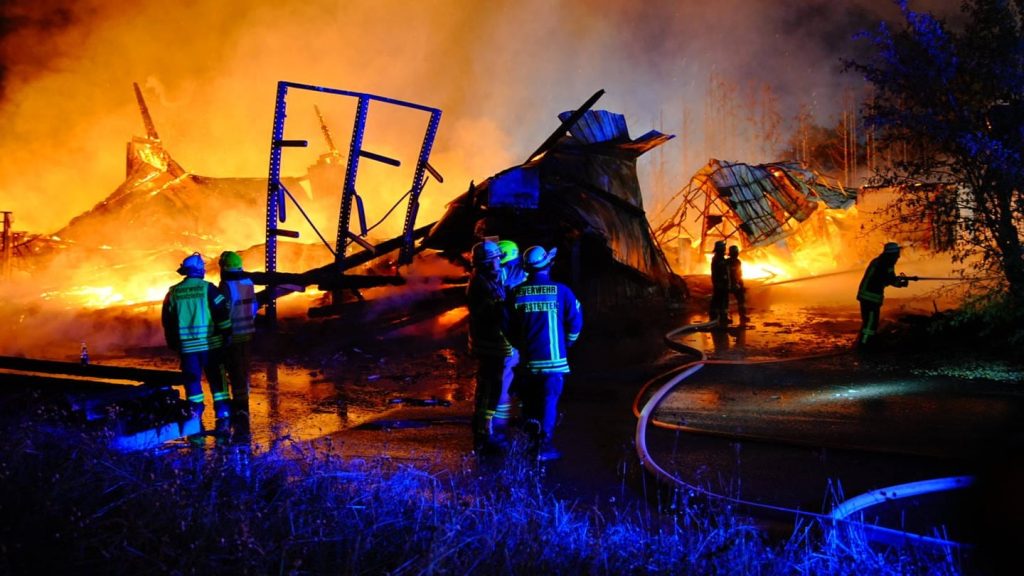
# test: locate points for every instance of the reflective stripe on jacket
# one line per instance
(542, 319)
(195, 316)
(241, 295)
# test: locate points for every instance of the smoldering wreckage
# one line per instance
(578, 191)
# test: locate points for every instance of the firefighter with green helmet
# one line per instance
(241, 295)
(512, 273)
(485, 296)
(196, 322)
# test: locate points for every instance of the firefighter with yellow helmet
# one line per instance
(241, 295)
(512, 273)
(196, 322)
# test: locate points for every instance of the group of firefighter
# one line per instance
(727, 278)
(211, 328)
(519, 318)
(521, 325)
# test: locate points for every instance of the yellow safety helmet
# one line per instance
(509, 250)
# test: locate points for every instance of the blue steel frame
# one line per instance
(276, 192)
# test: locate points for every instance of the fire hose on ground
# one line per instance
(843, 516)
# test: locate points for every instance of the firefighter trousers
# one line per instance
(540, 393)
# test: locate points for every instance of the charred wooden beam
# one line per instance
(399, 315)
(331, 273)
(28, 367)
(565, 126)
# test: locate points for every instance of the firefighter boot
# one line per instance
(547, 452)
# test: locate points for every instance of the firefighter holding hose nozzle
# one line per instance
(871, 292)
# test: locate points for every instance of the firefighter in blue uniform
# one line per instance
(196, 320)
(880, 273)
(542, 319)
(241, 295)
(496, 358)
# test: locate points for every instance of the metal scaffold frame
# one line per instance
(276, 191)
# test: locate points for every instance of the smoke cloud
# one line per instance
(501, 72)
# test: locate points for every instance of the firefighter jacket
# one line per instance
(543, 319)
(241, 295)
(485, 299)
(735, 267)
(195, 316)
(719, 274)
(879, 274)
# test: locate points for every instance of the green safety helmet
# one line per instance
(230, 261)
(536, 258)
(509, 250)
(193, 266)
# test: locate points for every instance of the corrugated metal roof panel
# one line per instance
(597, 126)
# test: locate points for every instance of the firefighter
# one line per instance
(736, 288)
(485, 297)
(512, 273)
(879, 274)
(241, 295)
(718, 310)
(543, 319)
(196, 320)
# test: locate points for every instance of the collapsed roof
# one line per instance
(579, 193)
(761, 203)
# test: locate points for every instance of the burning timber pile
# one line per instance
(579, 192)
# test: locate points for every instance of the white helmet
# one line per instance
(485, 251)
(193, 266)
(536, 258)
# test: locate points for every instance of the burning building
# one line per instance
(578, 192)
(158, 214)
(774, 211)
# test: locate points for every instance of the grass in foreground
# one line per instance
(71, 505)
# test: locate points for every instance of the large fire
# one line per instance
(830, 241)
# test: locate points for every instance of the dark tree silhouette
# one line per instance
(948, 112)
